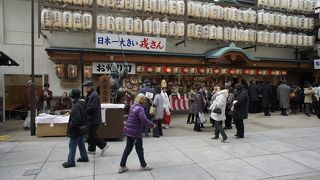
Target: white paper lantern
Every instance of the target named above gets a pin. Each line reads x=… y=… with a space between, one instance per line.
x=311 y=23
x=191 y=8
x=300 y=22
x=156 y=29
x=252 y=16
x=234 y=34
x=205 y=11
x=266 y=18
x=283 y=38
x=191 y=30
x=87 y=2
x=138 y=5
x=77 y=2
x=164 y=6
x=76 y=21
x=56 y=19
x=246 y=34
x=271 y=19
x=294 y=40
x=305 y=41
x=300 y=40
x=232 y=14
x=300 y=6
x=119 y=24
x=283 y=4
x=252 y=35
x=271 y=38
x=213 y=14
x=198 y=10
x=180 y=8
x=277 y=19
x=164 y=28
x=172 y=28
x=110 y=24
x=147 y=5
x=67 y=20
x=289 y=39
x=156 y=6
x=119 y=4
x=227 y=34
x=261 y=3
x=277 y=38
x=101 y=3
x=101 y=22
x=205 y=32
x=219 y=33
x=198 y=31
x=57 y=1
x=111 y=4
x=260 y=37
x=260 y=17
x=277 y=4
x=180 y=29
x=212 y=32
x=289 y=21
x=86 y=21
x=241 y=17
x=294 y=22
x=240 y=35
x=128 y=4
x=137 y=26
x=128 y=25
x=311 y=41
x=246 y=16
x=147 y=27
x=307 y=6
x=46 y=19
x=271 y=3
x=67 y=1
x=265 y=37
x=172 y=7
x=305 y=23
x=283 y=21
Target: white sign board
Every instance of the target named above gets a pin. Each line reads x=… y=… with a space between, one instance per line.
x=316 y=63
x=104 y=68
x=130 y=42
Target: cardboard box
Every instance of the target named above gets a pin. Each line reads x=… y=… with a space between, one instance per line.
x=59 y=129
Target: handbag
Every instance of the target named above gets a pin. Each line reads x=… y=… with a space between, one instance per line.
x=202 y=118
x=217 y=110
x=152 y=111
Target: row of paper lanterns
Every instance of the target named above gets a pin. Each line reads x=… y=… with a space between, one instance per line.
x=280 y=38
x=208 y=70
x=282 y=20
x=305 y=6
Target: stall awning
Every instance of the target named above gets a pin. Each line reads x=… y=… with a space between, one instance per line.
x=6 y=60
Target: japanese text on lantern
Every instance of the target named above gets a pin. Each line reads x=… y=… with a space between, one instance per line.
x=127 y=42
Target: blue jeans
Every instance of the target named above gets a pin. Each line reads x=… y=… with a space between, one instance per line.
x=73 y=143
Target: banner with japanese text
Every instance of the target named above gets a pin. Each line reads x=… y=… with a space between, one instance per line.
x=130 y=42
x=104 y=68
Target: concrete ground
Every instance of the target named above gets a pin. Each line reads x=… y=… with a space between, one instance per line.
x=274 y=147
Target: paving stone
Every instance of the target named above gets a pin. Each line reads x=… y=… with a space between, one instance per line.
x=233 y=169
x=277 y=165
x=188 y=142
x=7 y=146
x=27 y=146
x=186 y=172
x=16 y=172
x=243 y=150
x=207 y=154
x=54 y=170
x=26 y=157
x=79 y=178
x=304 y=142
x=131 y=175
x=308 y=158
x=277 y=146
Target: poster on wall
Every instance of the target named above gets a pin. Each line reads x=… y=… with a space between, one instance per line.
x=317 y=64
x=104 y=68
x=130 y=42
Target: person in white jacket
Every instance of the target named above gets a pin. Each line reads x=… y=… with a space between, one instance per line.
x=220 y=102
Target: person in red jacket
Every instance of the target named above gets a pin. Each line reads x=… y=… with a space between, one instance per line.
x=27 y=104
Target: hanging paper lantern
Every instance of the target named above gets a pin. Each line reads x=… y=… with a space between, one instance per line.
x=57 y=19
x=193 y=70
x=272 y=72
x=202 y=70
x=283 y=73
x=259 y=72
x=216 y=71
x=176 y=70
x=140 y=69
x=223 y=71
x=238 y=71
x=59 y=70
x=277 y=73
x=158 y=69
x=149 y=69
x=185 y=70
x=231 y=71
x=209 y=70
x=87 y=71
x=46 y=19
x=246 y=72
x=167 y=69
x=72 y=71
x=252 y=72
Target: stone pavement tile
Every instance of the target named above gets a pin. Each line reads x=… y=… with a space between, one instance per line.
x=276 y=165
x=207 y=154
x=243 y=150
x=309 y=131
x=186 y=172
x=35 y=145
x=255 y=137
x=277 y=146
x=7 y=146
x=110 y=164
x=308 y=158
x=304 y=142
x=131 y=175
x=279 y=134
x=233 y=169
x=188 y=142
x=78 y=178
x=61 y=154
x=217 y=142
x=26 y=157
x=16 y=172
x=54 y=170
x=156 y=144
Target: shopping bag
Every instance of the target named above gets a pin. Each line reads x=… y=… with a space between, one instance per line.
x=152 y=111
x=166 y=118
x=202 y=118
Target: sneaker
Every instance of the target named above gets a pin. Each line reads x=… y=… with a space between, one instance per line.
x=103 y=150
x=224 y=140
x=67 y=165
x=82 y=160
x=91 y=152
x=122 y=169
x=146 y=168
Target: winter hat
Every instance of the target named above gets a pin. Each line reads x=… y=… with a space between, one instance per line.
x=75 y=93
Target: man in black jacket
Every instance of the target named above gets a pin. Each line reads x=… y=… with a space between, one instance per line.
x=240 y=112
x=94 y=119
x=76 y=130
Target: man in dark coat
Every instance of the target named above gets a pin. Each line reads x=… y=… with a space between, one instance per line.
x=94 y=119
x=266 y=91
x=77 y=119
x=253 y=97
x=198 y=106
x=240 y=109
x=284 y=97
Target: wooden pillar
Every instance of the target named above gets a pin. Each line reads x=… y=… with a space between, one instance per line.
x=104 y=89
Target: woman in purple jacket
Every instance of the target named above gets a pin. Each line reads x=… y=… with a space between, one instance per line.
x=133 y=130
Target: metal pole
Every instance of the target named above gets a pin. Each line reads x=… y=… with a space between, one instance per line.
x=32 y=95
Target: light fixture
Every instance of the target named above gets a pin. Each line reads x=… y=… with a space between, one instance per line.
x=87 y=71
x=59 y=70
x=72 y=71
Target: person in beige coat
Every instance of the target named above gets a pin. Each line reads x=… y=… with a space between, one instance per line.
x=308 y=92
